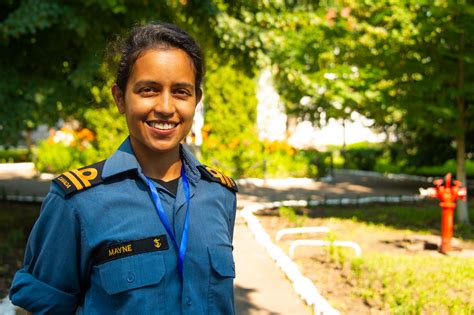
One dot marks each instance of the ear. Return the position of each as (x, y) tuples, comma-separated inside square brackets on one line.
[(198, 95), (119, 98)]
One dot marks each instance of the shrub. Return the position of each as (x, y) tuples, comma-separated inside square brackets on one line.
[(64, 150), (14, 156), (110, 130), (54, 157), (229, 134), (362, 158)]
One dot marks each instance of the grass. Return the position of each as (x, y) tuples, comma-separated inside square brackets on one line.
[(394, 282), (416, 284), (291, 215), (424, 217)]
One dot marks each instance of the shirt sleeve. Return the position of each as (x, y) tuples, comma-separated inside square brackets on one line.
[(50, 280)]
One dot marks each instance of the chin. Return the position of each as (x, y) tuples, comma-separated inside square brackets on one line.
[(163, 148)]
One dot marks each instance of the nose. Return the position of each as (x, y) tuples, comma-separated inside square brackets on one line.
[(164, 106)]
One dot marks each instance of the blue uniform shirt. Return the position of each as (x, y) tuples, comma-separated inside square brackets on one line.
[(104, 250)]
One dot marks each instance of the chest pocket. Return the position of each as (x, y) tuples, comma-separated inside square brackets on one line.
[(132, 272), (221, 284)]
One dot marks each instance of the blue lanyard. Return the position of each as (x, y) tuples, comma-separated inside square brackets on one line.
[(164, 219)]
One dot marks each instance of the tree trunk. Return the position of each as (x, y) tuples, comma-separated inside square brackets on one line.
[(462, 209), (462, 212)]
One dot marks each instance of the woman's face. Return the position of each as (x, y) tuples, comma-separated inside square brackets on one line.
[(159, 100)]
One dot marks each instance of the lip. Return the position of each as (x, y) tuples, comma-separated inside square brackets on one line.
[(162, 132)]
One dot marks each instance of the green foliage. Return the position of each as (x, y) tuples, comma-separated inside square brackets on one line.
[(422, 148), (282, 160), (402, 284), (106, 129), (290, 214), (57, 157), (54, 157), (362, 158), (230, 141), (425, 218), (230, 136), (110, 130), (336, 254), (44, 78), (407, 65), (441, 170), (14, 156), (416, 284)]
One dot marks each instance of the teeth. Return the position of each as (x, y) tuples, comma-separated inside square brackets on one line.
[(162, 126)]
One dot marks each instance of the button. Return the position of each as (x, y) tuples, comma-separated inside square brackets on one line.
[(188, 301), (130, 277)]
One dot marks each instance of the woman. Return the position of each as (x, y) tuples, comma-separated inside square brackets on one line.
[(149, 230)]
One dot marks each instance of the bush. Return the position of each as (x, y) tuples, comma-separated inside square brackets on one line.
[(110, 130), (15, 156), (54, 157), (362, 158), (282, 160), (441, 170), (64, 150), (229, 134)]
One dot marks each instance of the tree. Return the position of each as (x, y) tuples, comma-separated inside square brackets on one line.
[(52, 51), (231, 142), (403, 64)]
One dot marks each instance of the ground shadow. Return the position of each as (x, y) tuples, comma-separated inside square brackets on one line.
[(244, 305)]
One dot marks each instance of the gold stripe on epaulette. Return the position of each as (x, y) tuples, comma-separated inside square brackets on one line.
[(225, 180), (84, 177), (74, 180)]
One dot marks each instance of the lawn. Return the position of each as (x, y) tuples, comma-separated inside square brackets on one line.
[(397, 273)]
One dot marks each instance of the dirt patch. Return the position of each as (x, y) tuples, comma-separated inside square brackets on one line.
[(335, 280)]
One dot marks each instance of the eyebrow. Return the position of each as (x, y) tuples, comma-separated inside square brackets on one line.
[(151, 82)]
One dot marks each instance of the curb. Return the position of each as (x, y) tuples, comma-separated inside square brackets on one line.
[(303, 286), (24, 166), (391, 176)]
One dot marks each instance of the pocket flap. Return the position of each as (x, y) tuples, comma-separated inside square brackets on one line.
[(132, 272), (222, 260)]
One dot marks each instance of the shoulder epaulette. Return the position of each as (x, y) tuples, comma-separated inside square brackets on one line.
[(80, 178), (216, 176)]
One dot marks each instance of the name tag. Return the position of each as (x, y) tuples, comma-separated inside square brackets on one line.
[(108, 252)]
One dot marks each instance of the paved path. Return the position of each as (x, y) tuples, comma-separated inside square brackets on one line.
[(261, 287)]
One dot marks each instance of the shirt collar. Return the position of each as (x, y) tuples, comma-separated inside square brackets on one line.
[(124, 160), (121, 161), (190, 164)]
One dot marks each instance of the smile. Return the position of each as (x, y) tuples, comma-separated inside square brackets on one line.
[(161, 125)]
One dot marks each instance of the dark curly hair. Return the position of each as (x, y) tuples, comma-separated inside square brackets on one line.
[(157, 35)]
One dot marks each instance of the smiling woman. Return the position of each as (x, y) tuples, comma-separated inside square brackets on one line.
[(149, 230), (159, 102)]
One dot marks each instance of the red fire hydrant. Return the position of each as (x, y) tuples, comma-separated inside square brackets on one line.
[(448, 195)]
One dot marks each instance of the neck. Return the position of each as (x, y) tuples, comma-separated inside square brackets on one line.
[(165, 165)]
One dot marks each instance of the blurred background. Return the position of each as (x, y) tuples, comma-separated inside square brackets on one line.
[(294, 88)]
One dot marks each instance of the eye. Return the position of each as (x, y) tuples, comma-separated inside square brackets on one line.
[(183, 92), (147, 91)]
